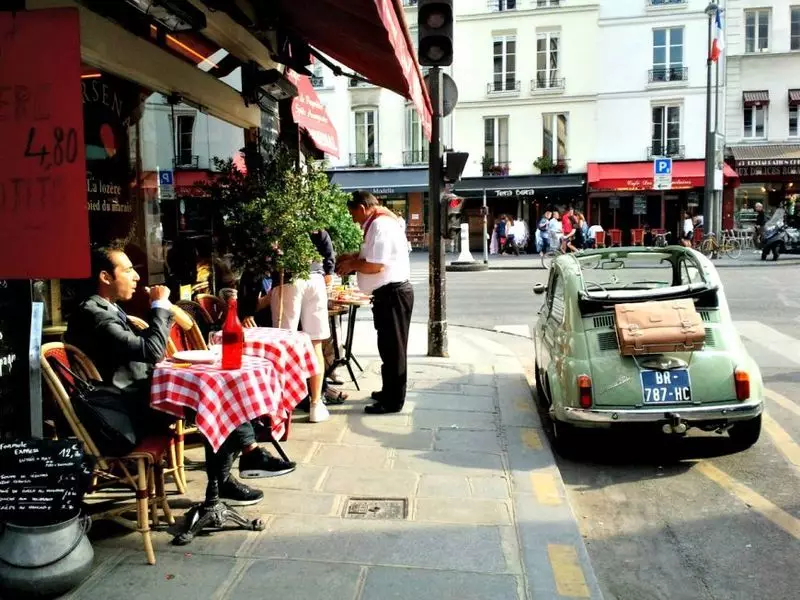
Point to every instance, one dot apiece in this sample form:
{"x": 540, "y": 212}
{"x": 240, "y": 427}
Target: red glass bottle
{"x": 232, "y": 337}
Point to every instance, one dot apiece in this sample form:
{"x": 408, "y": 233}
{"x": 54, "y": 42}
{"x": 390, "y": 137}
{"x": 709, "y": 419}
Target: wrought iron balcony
{"x": 415, "y": 157}
{"x": 185, "y": 161}
{"x": 317, "y": 82}
{"x": 666, "y": 2}
{"x": 365, "y": 159}
{"x": 498, "y": 169}
{"x": 357, "y": 83}
{"x": 669, "y": 150}
{"x": 547, "y": 166}
{"x": 501, "y": 5}
{"x": 543, "y": 82}
{"x": 505, "y": 86}
{"x": 666, "y": 74}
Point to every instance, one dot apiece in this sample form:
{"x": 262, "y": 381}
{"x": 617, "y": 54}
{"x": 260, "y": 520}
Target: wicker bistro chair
{"x": 214, "y": 306}
{"x": 201, "y": 316}
{"x": 147, "y": 480}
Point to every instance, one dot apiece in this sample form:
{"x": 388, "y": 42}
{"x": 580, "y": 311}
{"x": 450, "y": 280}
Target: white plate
{"x": 195, "y": 356}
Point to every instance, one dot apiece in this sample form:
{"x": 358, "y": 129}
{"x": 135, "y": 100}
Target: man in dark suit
{"x": 125, "y": 357}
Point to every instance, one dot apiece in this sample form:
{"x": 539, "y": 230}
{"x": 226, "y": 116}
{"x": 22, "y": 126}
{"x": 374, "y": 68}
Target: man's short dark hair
{"x": 364, "y": 199}
{"x": 102, "y": 261}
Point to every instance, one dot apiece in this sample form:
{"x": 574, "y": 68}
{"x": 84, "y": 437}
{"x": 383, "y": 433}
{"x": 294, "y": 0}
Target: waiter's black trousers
{"x": 391, "y": 312}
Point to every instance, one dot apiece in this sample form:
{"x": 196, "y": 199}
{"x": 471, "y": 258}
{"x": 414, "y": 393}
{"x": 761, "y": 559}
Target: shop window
{"x": 554, "y": 136}
{"x": 756, "y": 30}
{"x": 366, "y": 138}
{"x": 547, "y": 58}
{"x": 668, "y": 54}
{"x": 416, "y": 146}
{"x": 184, "y": 134}
{"x": 794, "y": 35}
{"x": 504, "y": 57}
{"x": 495, "y": 142}
{"x": 755, "y": 122}
{"x": 666, "y": 138}
{"x": 793, "y": 113}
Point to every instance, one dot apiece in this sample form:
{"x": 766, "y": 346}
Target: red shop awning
{"x": 310, "y": 114}
{"x": 638, "y": 177}
{"x": 368, "y": 36}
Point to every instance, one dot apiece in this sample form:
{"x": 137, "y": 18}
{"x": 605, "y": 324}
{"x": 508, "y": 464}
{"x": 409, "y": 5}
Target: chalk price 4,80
{"x": 64, "y": 147}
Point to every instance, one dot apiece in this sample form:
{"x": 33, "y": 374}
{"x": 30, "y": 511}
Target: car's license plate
{"x": 666, "y": 387}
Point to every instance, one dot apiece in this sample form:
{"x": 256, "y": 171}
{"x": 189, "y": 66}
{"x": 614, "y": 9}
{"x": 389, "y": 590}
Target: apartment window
{"x": 795, "y": 29}
{"x": 546, "y": 3}
{"x": 755, "y": 121}
{"x": 184, "y": 132}
{"x": 502, "y": 5}
{"x": 793, "y": 113}
{"x": 317, "y": 77}
{"x": 668, "y": 54}
{"x": 666, "y": 138}
{"x": 554, "y": 136}
{"x": 495, "y": 136}
{"x": 756, "y": 30}
{"x": 505, "y": 63}
{"x": 547, "y": 59}
{"x": 416, "y": 146}
{"x": 366, "y": 133}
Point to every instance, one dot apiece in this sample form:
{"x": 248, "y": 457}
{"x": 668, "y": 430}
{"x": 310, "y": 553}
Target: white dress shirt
{"x": 385, "y": 244}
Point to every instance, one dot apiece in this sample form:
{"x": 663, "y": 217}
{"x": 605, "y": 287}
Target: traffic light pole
{"x": 437, "y": 317}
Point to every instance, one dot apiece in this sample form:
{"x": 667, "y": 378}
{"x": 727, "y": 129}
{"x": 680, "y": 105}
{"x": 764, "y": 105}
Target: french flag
{"x": 718, "y": 45}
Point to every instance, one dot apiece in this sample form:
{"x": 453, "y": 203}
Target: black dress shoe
{"x": 376, "y": 395}
{"x": 379, "y": 409}
{"x": 235, "y": 493}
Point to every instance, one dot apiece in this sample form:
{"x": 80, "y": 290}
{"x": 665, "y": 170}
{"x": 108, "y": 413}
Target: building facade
{"x": 763, "y": 96}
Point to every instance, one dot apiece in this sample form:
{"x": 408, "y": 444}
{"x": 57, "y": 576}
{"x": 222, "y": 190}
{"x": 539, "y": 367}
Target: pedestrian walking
{"x": 383, "y": 270}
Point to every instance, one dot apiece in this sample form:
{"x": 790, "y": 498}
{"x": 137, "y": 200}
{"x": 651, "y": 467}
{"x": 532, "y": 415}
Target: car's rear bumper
{"x": 738, "y": 411}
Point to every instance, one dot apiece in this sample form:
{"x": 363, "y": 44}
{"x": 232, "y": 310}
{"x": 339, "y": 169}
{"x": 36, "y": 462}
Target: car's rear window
{"x": 637, "y": 272}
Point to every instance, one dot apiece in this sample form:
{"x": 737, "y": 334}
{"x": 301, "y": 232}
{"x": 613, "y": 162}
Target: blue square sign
{"x": 166, "y": 178}
{"x": 662, "y": 166}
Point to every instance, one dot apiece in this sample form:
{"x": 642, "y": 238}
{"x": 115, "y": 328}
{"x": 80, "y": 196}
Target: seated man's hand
{"x": 263, "y": 301}
{"x": 249, "y": 322}
{"x": 158, "y": 292}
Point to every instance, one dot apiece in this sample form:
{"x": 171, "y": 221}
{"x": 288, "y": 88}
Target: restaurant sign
{"x": 514, "y": 193}
{"x": 771, "y": 167}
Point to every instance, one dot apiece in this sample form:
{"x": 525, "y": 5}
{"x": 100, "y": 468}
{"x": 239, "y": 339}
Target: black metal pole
{"x": 437, "y": 317}
{"x": 708, "y": 195}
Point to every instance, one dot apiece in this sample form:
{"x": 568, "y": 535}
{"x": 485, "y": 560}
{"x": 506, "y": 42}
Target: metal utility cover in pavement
{"x": 376, "y": 508}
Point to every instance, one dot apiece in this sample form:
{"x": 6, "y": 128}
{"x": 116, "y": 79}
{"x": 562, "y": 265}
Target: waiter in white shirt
{"x": 383, "y": 270}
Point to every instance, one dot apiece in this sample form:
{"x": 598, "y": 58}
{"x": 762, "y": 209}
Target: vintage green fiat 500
{"x": 586, "y": 382}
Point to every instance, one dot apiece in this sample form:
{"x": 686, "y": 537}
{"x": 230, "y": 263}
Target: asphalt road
{"x": 689, "y": 518}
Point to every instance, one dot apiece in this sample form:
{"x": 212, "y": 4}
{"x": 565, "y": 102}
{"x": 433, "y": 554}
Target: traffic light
{"x": 452, "y": 215}
{"x": 453, "y": 165}
{"x": 435, "y": 24}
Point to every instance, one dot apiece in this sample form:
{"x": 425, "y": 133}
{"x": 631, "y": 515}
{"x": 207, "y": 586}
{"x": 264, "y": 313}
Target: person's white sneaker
{"x": 318, "y": 412}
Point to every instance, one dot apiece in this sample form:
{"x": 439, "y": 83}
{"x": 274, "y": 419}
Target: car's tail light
{"x": 742, "y": 380}
{"x": 584, "y": 391}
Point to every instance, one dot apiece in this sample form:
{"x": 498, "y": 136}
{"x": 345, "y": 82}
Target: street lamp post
{"x": 709, "y": 208}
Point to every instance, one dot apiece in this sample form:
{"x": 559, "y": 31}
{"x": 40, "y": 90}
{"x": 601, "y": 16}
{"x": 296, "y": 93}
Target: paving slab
{"x": 475, "y": 548}
{"x": 492, "y": 487}
{"x": 448, "y": 462}
{"x": 370, "y": 482}
{"x": 303, "y": 478}
{"x": 440, "y": 401}
{"x": 284, "y": 502}
{"x": 456, "y": 419}
{"x": 462, "y": 510}
{"x": 417, "y": 584}
{"x": 397, "y": 437}
{"x": 468, "y": 441}
{"x": 443, "y": 486}
{"x": 367, "y": 457}
{"x": 297, "y": 579}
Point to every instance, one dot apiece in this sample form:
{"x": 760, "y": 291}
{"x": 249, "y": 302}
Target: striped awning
{"x": 760, "y": 98}
{"x": 794, "y": 97}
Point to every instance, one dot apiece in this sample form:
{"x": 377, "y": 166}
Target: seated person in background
{"x": 593, "y": 231}
{"x": 254, "y": 291}
{"x": 125, "y": 358}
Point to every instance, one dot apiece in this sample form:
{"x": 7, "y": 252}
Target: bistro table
{"x": 336, "y": 307}
{"x": 222, "y": 400}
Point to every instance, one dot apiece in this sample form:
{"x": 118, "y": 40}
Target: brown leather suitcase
{"x": 658, "y": 327}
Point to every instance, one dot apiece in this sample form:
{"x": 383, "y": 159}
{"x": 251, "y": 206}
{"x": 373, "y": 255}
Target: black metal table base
{"x": 345, "y": 361}
{"x": 213, "y": 516}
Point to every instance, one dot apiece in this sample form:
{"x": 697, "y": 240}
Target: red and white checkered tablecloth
{"x": 223, "y": 400}
{"x": 292, "y": 353}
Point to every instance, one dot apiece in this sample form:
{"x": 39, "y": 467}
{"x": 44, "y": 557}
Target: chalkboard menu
{"x": 42, "y": 481}
{"x": 15, "y": 333}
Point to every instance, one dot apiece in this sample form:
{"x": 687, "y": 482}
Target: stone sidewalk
{"x": 481, "y": 513}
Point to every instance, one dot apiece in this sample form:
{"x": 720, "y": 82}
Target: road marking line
{"x": 788, "y": 447}
{"x": 567, "y": 571}
{"x": 770, "y": 339}
{"x": 752, "y": 499}
{"x": 544, "y": 486}
{"x": 783, "y": 401}
{"x": 530, "y": 437}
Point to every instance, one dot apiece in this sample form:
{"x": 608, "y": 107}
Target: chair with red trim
{"x": 637, "y": 237}
{"x": 213, "y": 305}
{"x": 147, "y": 481}
{"x": 600, "y": 239}
{"x": 616, "y": 237}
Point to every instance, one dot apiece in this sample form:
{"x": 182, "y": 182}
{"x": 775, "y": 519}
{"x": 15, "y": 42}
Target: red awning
{"x": 367, "y": 36}
{"x": 755, "y": 98}
{"x": 310, "y": 114}
{"x": 638, "y": 177}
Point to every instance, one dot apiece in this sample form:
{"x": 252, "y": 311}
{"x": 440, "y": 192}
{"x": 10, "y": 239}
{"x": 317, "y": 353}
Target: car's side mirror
{"x": 539, "y": 289}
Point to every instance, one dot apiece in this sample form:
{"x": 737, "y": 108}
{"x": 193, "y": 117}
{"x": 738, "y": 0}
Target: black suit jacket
{"x": 123, "y": 355}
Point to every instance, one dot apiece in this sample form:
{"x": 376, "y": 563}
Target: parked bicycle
{"x": 661, "y": 240}
{"x": 729, "y": 246}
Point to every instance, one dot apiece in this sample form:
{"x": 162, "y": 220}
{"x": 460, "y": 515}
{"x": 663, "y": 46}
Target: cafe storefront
{"x": 769, "y": 174}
